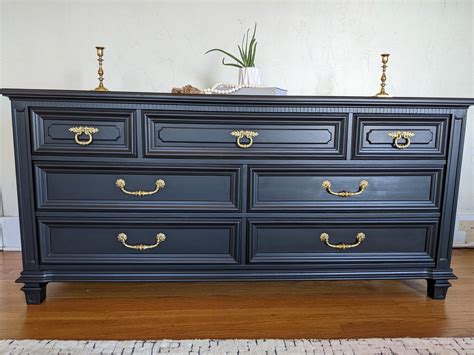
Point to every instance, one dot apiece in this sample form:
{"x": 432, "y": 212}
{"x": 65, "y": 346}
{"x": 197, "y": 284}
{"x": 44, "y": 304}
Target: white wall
{"x": 309, "y": 47}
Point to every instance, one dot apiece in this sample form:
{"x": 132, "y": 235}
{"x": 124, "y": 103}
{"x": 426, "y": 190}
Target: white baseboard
{"x": 10, "y": 230}
{"x": 460, "y": 235}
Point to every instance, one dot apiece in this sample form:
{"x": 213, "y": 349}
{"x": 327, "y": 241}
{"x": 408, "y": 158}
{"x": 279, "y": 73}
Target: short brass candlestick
{"x": 100, "y": 54}
{"x": 383, "y": 78}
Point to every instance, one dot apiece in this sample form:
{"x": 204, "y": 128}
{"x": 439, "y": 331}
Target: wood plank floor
{"x": 299, "y": 309}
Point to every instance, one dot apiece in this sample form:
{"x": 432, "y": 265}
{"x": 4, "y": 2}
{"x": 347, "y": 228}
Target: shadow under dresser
{"x": 121, "y": 186}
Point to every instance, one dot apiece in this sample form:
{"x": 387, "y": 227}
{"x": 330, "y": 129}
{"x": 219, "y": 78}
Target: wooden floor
{"x": 302, "y": 309}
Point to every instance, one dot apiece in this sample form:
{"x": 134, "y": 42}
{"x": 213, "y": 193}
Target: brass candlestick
{"x": 383, "y": 78}
{"x": 100, "y": 54}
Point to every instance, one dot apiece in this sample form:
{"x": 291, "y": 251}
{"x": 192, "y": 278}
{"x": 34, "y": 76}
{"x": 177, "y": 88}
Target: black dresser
{"x": 124, "y": 186}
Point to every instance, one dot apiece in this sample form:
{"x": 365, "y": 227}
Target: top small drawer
{"x": 400, "y": 136}
{"x": 91, "y": 131}
{"x": 245, "y": 135}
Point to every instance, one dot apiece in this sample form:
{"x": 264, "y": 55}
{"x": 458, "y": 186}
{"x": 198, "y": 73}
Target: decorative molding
{"x": 418, "y": 103}
{"x": 167, "y": 133}
{"x": 19, "y": 106}
{"x": 51, "y": 131}
{"x": 236, "y": 107}
{"x": 459, "y": 114}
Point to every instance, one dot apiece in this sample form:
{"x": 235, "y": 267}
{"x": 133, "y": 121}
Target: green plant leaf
{"x": 246, "y": 48}
{"x": 254, "y": 51}
{"x": 254, "y": 43}
{"x": 226, "y": 53}
{"x": 254, "y": 31}
{"x": 247, "y": 51}
{"x": 251, "y": 56}
{"x": 242, "y": 55}
{"x": 251, "y": 49}
{"x": 249, "y": 61}
{"x": 230, "y": 64}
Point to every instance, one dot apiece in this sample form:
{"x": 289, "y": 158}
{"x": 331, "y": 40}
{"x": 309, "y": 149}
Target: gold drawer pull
{"x": 79, "y": 131}
{"x": 244, "y": 134}
{"x": 159, "y": 184}
{"x": 399, "y": 135}
{"x": 160, "y": 237}
{"x": 362, "y": 186}
{"x": 325, "y": 238}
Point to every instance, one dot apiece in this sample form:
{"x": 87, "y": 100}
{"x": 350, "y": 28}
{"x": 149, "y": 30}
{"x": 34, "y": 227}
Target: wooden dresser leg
{"x": 35, "y": 293}
{"x": 437, "y": 289}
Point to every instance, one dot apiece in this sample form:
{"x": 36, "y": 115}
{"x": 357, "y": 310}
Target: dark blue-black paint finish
{"x": 230, "y": 213}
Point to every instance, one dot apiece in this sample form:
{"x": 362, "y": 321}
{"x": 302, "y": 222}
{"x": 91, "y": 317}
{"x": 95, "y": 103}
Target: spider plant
{"x": 247, "y": 51}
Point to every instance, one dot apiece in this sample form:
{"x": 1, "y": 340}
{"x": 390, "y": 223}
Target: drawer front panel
{"x": 307, "y": 189}
{"x": 113, "y": 131}
{"x": 211, "y": 135}
{"x": 419, "y": 136}
{"x": 299, "y": 241}
{"x": 181, "y": 241}
{"x": 92, "y": 187}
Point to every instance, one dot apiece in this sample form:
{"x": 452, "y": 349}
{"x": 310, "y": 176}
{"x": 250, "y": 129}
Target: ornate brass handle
{"x": 160, "y": 237}
{"x": 399, "y": 135}
{"x": 244, "y": 134}
{"x": 325, "y": 238}
{"x": 159, "y": 184}
{"x": 362, "y": 186}
{"x": 79, "y": 131}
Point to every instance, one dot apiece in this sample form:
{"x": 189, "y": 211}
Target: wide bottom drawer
{"x": 94, "y": 241}
{"x": 306, "y": 241}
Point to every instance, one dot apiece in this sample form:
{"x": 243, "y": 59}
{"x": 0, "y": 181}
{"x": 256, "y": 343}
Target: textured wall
{"x": 308, "y": 47}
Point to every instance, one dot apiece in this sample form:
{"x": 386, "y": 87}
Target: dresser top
{"x": 149, "y": 97}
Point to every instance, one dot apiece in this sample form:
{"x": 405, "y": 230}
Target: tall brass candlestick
{"x": 100, "y": 54}
{"x": 383, "y": 78}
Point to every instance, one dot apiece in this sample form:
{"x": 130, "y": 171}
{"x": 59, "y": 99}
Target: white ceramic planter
{"x": 250, "y": 76}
